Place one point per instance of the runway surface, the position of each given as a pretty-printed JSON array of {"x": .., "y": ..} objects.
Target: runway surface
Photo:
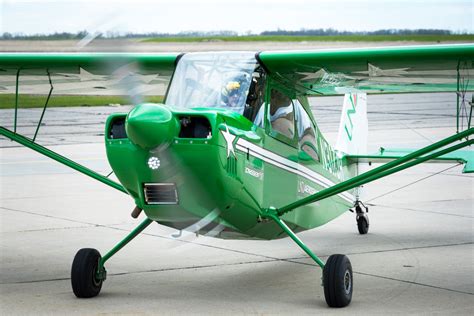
[
  {"x": 417, "y": 257},
  {"x": 137, "y": 45}
]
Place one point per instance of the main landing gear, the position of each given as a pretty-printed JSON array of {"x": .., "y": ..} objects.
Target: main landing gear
[
  {"x": 88, "y": 272},
  {"x": 337, "y": 281},
  {"x": 337, "y": 272},
  {"x": 84, "y": 273}
]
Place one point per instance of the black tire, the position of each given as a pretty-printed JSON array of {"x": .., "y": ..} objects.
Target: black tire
[
  {"x": 337, "y": 280},
  {"x": 362, "y": 225},
  {"x": 83, "y": 273}
]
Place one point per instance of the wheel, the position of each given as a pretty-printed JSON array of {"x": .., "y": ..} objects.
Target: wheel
[
  {"x": 337, "y": 280},
  {"x": 362, "y": 225},
  {"x": 83, "y": 273}
]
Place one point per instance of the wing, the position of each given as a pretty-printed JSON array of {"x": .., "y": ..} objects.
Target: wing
[
  {"x": 95, "y": 63},
  {"x": 28, "y": 79},
  {"x": 383, "y": 155},
  {"x": 86, "y": 74},
  {"x": 447, "y": 68},
  {"x": 440, "y": 68}
]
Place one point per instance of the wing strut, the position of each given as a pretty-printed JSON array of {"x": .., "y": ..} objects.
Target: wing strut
[
  {"x": 462, "y": 103},
  {"x": 45, "y": 104},
  {"x": 17, "y": 87},
  {"x": 424, "y": 154},
  {"x": 59, "y": 158}
]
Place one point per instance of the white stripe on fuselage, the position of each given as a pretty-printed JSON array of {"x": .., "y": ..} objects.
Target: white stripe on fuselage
[{"x": 288, "y": 165}]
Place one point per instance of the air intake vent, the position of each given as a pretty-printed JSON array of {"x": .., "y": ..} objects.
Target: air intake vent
[
  {"x": 117, "y": 128},
  {"x": 232, "y": 166},
  {"x": 195, "y": 127},
  {"x": 160, "y": 193}
]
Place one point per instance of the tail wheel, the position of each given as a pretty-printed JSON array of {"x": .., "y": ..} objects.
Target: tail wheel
[
  {"x": 337, "y": 280},
  {"x": 362, "y": 224},
  {"x": 84, "y": 273}
]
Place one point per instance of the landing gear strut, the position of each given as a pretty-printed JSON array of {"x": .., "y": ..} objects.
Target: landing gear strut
[
  {"x": 88, "y": 272},
  {"x": 362, "y": 218},
  {"x": 337, "y": 272}
]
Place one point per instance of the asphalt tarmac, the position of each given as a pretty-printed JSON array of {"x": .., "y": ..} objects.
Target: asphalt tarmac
[
  {"x": 417, "y": 257},
  {"x": 137, "y": 45}
]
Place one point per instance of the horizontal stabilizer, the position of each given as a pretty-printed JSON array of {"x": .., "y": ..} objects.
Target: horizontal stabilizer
[{"x": 462, "y": 156}]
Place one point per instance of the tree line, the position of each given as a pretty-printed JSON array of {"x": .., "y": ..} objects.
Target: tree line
[
  {"x": 302, "y": 32},
  {"x": 333, "y": 32}
]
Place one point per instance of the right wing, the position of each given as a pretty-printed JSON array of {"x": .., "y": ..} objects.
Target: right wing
[{"x": 374, "y": 70}]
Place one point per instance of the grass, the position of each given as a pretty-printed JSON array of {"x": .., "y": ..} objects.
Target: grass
[
  {"x": 7, "y": 101},
  {"x": 339, "y": 38}
]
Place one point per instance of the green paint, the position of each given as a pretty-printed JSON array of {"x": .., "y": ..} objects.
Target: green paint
[
  {"x": 461, "y": 156},
  {"x": 96, "y": 63},
  {"x": 386, "y": 169},
  {"x": 207, "y": 181},
  {"x": 270, "y": 213},
  {"x": 349, "y": 113},
  {"x": 265, "y": 184},
  {"x": 330, "y": 160},
  {"x": 349, "y": 68},
  {"x": 101, "y": 274},
  {"x": 151, "y": 117}
]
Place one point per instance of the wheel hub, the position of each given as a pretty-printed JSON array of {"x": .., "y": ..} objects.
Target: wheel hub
[{"x": 347, "y": 282}]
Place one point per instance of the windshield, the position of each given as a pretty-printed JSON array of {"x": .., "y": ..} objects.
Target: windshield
[{"x": 217, "y": 80}]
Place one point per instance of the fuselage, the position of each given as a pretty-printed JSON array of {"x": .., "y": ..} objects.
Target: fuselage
[{"x": 213, "y": 169}]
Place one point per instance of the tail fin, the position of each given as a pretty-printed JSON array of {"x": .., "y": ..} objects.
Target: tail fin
[{"x": 353, "y": 128}]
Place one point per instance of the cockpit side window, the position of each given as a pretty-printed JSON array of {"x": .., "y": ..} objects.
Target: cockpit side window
[
  {"x": 281, "y": 115},
  {"x": 255, "y": 103},
  {"x": 307, "y": 137}
]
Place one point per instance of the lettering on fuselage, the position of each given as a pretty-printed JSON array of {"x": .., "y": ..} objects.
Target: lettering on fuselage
[
  {"x": 254, "y": 173},
  {"x": 263, "y": 156},
  {"x": 330, "y": 160},
  {"x": 303, "y": 188}
]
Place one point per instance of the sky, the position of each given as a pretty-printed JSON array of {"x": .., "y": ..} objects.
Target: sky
[{"x": 242, "y": 16}]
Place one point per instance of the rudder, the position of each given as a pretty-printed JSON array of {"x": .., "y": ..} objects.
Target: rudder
[{"x": 353, "y": 127}]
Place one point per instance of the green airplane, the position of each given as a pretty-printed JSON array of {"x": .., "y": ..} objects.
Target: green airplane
[{"x": 235, "y": 152}]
